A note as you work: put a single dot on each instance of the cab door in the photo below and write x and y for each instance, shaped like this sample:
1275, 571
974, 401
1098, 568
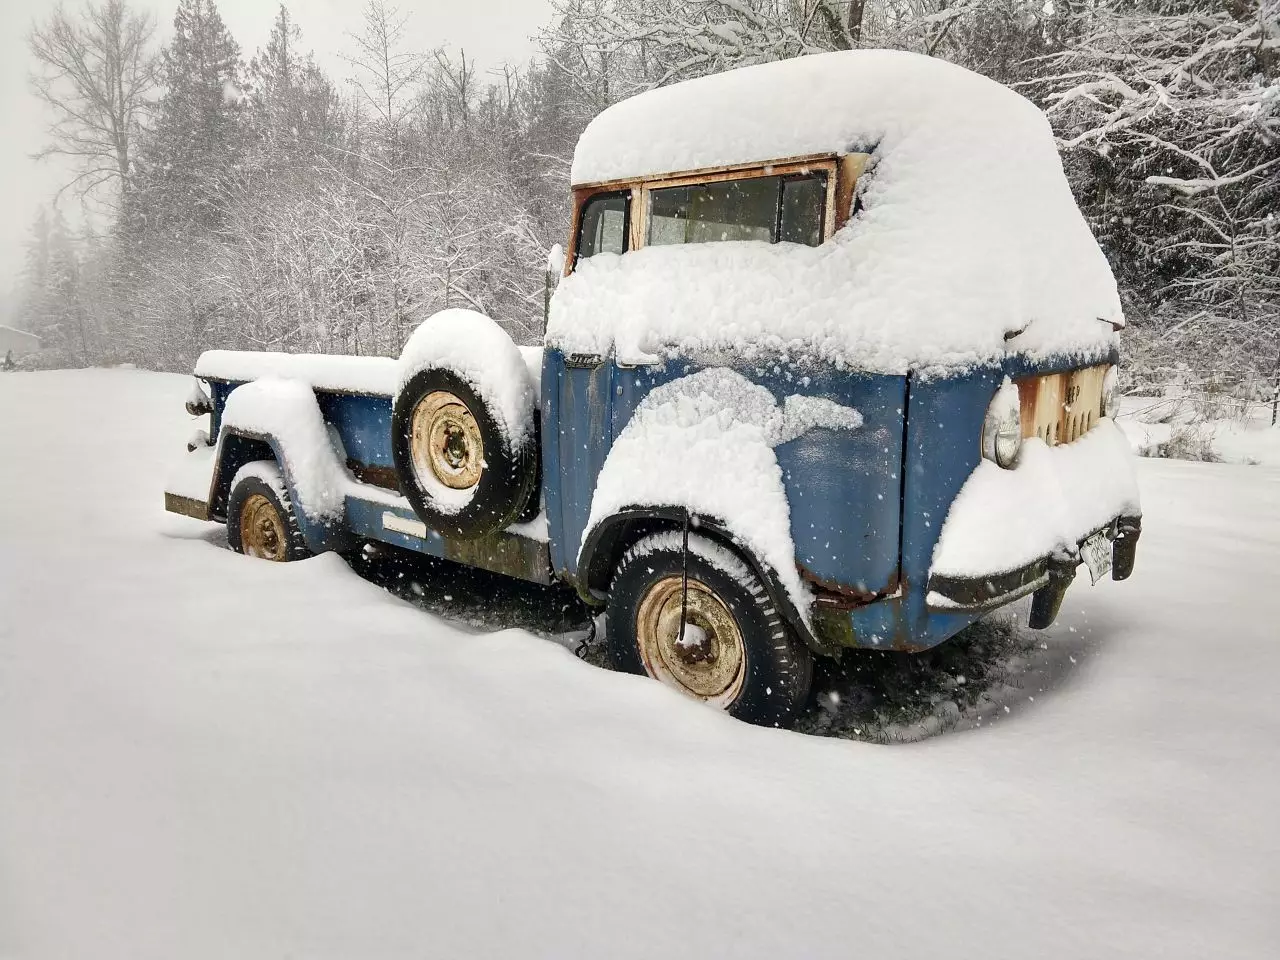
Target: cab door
578, 392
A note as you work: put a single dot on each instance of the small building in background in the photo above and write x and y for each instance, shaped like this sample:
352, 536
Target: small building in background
19, 342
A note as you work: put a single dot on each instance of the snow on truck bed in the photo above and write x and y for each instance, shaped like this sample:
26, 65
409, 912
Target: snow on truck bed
377, 376
968, 230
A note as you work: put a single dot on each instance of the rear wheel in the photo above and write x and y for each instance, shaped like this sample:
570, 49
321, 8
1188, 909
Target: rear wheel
735, 653
260, 520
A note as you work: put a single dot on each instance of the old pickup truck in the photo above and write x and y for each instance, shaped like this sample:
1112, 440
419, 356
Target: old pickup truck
830, 364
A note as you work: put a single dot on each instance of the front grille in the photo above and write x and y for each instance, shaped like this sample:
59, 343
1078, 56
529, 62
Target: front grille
1061, 407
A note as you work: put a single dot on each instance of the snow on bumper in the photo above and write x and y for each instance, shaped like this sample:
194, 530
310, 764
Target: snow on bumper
1006, 524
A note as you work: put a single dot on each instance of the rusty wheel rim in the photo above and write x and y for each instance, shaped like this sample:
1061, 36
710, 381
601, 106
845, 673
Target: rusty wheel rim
445, 442
711, 663
262, 529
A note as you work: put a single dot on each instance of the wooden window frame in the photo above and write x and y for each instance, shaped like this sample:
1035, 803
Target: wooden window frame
842, 172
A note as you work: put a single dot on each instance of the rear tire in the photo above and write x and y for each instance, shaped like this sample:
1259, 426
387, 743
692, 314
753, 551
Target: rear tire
260, 518
737, 652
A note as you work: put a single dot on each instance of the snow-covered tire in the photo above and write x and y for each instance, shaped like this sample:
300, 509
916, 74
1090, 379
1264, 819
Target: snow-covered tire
470, 482
260, 518
742, 658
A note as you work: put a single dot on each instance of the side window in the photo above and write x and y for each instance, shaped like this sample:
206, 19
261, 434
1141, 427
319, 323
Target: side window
706, 212
804, 201
604, 224
768, 209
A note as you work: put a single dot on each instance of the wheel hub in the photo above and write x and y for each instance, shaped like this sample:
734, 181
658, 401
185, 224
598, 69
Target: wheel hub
262, 529
445, 442
709, 661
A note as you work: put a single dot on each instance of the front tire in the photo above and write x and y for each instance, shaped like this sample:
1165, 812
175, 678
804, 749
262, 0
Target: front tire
260, 519
737, 654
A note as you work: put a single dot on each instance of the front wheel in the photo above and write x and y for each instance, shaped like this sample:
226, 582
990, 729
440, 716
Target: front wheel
735, 653
260, 520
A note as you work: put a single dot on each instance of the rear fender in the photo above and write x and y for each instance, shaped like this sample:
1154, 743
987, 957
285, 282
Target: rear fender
236, 447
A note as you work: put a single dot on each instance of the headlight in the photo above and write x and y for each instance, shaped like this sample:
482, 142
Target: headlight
1002, 428
1111, 393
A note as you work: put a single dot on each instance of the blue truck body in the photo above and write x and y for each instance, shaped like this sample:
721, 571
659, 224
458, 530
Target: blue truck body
866, 506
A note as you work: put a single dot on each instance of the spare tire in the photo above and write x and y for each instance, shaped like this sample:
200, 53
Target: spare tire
459, 471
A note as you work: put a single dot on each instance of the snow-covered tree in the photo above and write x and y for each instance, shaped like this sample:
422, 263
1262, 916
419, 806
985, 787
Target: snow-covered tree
190, 155
95, 72
1169, 116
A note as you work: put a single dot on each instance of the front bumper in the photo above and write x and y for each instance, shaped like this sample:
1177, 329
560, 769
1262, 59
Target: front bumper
1046, 578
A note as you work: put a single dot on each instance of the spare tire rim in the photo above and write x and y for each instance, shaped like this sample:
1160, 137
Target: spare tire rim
445, 442
710, 662
262, 529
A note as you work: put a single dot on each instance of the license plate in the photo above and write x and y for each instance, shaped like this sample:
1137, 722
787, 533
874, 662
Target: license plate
1096, 552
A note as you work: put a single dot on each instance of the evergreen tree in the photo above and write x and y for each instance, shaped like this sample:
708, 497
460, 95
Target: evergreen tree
35, 272
294, 111
191, 154
53, 306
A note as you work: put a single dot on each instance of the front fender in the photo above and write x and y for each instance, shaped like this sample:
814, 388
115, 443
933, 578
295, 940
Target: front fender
607, 540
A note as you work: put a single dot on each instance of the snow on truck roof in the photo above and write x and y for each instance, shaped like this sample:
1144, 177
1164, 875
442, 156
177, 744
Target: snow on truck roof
968, 230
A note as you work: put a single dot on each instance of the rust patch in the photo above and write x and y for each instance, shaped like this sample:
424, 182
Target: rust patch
710, 174
851, 167
839, 596
1061, 407
384, 477
506, 553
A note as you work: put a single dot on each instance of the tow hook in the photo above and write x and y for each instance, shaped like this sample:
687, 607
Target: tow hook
1047, 601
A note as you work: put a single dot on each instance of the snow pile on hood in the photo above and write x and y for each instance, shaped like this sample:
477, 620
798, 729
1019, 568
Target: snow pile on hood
705, 442
1052, 499
968, 231
479, 351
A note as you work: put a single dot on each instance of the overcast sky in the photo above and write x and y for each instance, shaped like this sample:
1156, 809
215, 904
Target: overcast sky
491, 31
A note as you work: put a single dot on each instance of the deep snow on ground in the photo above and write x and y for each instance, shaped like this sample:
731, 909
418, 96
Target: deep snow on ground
202, 755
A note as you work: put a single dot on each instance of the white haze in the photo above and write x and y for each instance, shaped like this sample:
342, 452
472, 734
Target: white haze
492, 32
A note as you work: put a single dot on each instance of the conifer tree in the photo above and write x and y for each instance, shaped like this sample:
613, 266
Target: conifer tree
190, 156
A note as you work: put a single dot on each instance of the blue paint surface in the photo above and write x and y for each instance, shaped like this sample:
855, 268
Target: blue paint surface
363, 423
577, 434
842, 486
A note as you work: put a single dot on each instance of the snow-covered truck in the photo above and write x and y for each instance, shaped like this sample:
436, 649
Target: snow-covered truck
831, 365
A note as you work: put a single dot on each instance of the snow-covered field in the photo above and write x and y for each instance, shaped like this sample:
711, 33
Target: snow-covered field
1229, 431
203, 755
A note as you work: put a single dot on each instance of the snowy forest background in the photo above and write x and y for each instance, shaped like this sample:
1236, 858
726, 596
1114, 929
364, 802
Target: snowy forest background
259, 203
